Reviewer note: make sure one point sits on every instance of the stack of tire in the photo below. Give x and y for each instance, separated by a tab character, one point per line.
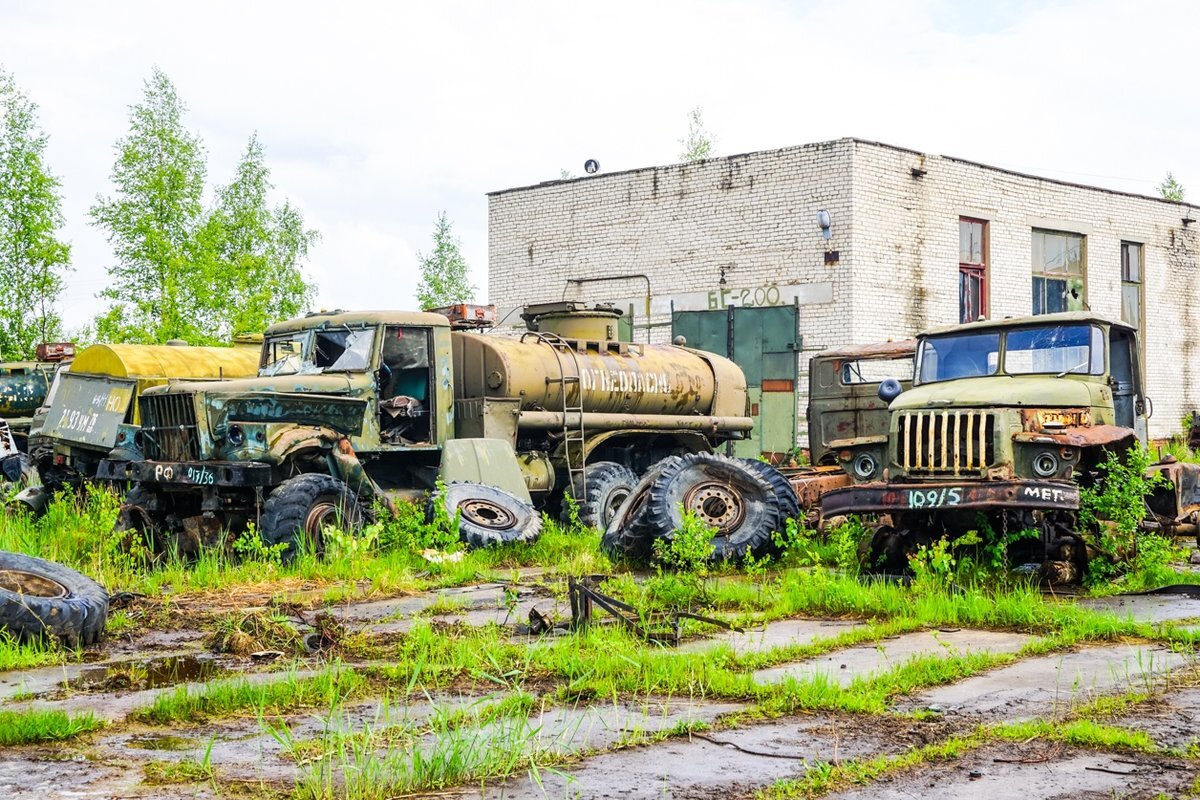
745	502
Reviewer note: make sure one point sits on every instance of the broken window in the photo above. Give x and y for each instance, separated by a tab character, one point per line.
1059	264
1131	284
875	370
972	269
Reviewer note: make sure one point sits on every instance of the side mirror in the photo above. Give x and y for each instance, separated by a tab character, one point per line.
889	390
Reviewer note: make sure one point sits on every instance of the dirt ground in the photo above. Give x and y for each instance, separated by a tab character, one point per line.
696	753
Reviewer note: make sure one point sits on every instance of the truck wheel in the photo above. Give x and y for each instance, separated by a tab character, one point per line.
134	515
789	504
628	535
300	508
604	487
490	516
39	598
725	494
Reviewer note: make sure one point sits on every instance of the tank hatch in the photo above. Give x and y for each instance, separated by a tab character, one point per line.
574	320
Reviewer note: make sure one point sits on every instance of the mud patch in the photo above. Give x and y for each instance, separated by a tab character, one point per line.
152	673
1036	769
1054	683
1172	720
844	666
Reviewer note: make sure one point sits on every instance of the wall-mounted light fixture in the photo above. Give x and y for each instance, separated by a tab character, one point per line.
1187	218
591	166
722	281
825	221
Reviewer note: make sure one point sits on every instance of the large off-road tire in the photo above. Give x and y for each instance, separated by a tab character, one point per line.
300	508
628	535
489	516
604	487
17	472
39	598
789	504
725	494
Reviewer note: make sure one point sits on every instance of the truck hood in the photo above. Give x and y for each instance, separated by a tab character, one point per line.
334	383
1001	390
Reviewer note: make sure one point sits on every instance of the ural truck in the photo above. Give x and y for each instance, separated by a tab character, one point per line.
93	408
1006	419
351	409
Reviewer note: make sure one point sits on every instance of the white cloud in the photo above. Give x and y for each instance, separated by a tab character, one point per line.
376	116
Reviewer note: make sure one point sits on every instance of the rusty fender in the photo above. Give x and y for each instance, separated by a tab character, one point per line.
949	496
1094	436
812	483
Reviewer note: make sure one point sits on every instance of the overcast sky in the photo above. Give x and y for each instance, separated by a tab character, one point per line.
375	116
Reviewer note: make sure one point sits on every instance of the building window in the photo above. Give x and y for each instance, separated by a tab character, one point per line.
1131	283
972	269
1059	264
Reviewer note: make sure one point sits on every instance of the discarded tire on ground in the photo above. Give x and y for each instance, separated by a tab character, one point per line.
490	516
598	497
628	535
39	598
789	504
725	494
300	508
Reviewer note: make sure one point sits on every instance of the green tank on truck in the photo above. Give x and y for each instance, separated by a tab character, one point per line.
353	408
1007	419
24	384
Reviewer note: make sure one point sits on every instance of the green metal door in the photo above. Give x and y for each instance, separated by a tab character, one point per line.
764	343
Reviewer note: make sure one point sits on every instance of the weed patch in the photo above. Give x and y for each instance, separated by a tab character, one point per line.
27	727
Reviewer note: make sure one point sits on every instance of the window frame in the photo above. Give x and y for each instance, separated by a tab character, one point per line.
1140	283
1039	271
972	269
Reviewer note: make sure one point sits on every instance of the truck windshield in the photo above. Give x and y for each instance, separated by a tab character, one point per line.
309	352
1046	349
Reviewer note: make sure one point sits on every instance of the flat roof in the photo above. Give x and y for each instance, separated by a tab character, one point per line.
854	140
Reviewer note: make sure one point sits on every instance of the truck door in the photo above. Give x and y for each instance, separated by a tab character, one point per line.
1121	378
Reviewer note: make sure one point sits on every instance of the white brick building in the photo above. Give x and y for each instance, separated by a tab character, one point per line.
750	221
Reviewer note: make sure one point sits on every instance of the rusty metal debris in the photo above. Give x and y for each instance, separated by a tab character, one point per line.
585	598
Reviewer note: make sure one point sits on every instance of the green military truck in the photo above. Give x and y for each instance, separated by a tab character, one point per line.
354	408
24	384
1006	418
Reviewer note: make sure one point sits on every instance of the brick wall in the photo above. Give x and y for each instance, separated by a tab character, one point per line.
754	215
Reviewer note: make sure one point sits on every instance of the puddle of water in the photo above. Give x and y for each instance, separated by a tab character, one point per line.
162	742
151	673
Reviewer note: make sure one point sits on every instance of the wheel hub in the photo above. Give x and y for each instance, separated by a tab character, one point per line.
319	516
615	499
21	582
718	505
487	514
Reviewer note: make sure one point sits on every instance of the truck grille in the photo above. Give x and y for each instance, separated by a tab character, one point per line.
945	442
169	428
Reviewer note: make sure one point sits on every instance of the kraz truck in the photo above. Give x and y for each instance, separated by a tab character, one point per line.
350	409
1007	419
93	407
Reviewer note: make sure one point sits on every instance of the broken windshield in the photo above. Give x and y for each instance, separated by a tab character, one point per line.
1046	349
342	349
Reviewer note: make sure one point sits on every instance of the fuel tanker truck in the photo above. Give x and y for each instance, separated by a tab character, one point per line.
23	387
93	406
353	410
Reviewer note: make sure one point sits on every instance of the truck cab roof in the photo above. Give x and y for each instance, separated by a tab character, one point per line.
1039	319
333	319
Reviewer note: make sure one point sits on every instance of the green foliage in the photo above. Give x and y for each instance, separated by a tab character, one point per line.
414	529
40	725
699	142
182	272
250	546
1171	189
846	540
795	544
1114	508
32	257
688	549
254	252
444	276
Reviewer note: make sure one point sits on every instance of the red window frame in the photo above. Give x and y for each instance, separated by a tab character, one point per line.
971	270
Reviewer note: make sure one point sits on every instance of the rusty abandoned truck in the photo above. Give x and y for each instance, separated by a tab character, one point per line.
93	406
24	384
353	408
1007	418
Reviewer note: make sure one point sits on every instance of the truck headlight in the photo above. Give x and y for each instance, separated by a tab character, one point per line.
1045	464
865	466
236	435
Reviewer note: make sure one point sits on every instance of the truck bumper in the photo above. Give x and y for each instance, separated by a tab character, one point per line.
189	473
949	496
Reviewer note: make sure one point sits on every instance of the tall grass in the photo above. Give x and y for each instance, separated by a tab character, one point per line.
27	727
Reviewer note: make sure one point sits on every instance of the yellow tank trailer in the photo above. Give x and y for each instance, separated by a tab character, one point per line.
93	409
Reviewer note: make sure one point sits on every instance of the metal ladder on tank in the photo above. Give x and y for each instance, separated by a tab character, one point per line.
572	437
